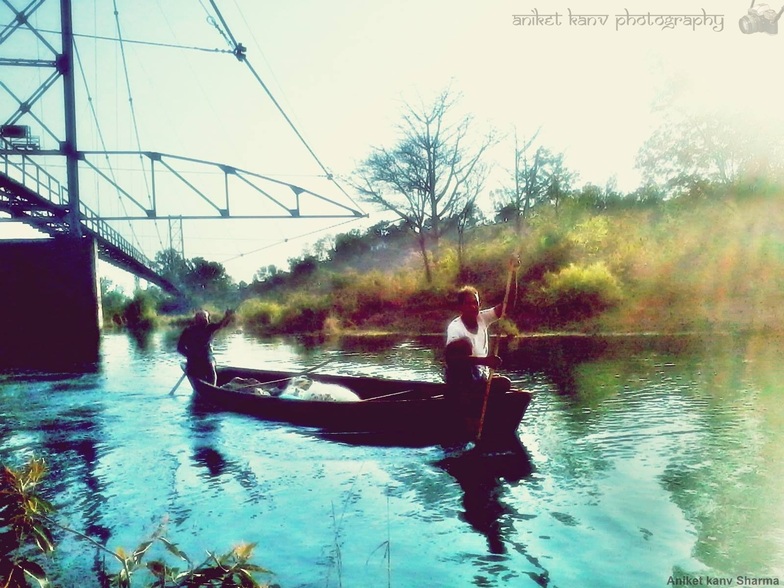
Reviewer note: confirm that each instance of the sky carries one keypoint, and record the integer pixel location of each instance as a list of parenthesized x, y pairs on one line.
[(344, 70)]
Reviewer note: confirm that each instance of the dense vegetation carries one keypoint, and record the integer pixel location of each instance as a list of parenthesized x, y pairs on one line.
[(697, 247), (599, 262)]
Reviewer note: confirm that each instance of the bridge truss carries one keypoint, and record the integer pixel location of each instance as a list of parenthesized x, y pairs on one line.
[(176, 187)]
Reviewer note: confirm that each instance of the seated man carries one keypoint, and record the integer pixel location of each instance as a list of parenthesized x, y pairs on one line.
[(468, 362)]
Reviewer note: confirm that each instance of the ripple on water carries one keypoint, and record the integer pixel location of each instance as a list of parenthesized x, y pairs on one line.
[(655, 458)]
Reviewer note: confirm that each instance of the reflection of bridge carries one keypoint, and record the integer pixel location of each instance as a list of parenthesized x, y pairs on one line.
[(49, 286)]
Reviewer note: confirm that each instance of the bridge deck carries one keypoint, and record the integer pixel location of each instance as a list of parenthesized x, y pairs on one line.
[(31, 195)]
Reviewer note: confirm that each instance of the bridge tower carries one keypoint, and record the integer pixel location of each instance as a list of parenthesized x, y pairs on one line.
[(48, 287)]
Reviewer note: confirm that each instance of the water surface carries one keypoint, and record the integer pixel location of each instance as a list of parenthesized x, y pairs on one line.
[(646, 459)]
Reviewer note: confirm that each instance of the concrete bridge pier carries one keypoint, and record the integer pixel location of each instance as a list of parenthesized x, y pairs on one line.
[(49, 303)]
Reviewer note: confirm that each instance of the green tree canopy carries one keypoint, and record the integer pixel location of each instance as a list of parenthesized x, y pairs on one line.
[(689, 151)]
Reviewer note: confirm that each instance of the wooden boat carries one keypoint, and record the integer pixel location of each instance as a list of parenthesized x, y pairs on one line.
[(399, 412)]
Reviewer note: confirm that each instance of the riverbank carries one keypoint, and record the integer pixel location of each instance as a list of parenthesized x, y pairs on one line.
[(707, 264)]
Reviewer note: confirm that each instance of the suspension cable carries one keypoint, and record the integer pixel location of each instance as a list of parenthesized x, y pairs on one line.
[(281, 242), (133, 113), (103, 143), (141, 42), (239, 52)]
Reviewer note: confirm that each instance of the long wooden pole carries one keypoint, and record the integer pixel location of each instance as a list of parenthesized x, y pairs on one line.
[(177, 385), (494, 352)]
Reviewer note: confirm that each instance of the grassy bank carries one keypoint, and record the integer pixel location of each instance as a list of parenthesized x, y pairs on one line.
[(692, 265)]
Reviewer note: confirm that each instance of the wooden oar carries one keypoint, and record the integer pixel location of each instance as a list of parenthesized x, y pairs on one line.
[(177, 385), (495, 352)]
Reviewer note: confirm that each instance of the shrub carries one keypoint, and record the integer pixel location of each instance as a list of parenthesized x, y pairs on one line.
[(591, 234), (546, 254), (26, 534), (260, 314), (304, 313), (140, 312), (577, 292)]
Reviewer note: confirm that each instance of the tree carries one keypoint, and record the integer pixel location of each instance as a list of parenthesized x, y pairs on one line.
[(351, 245), (539, 177), (302, 268), (208, 281), (430, 175), (200, 280), (689, 151), (469, 216), (173, 266), (113, 301), (558, 179), (266, 272), (516, 202)]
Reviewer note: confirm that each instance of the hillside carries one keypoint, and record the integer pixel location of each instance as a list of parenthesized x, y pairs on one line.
[(694, 264)]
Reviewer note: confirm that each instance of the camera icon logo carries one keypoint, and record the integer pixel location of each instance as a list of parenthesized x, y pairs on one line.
[(760, 19)]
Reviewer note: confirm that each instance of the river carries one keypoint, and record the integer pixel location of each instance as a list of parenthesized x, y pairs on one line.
[(649, 460)]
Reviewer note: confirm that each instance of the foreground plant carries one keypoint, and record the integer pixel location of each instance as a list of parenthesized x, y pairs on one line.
[(23, 529), (26, 534)]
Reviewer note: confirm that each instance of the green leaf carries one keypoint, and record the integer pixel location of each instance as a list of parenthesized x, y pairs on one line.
[(43, 538), (246, 580), (35, 571), (254, 568), (172, 548), (157, 568), (140, 551)]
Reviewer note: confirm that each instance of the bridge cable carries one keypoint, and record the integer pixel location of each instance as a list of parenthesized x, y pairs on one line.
[(141, 42), (133, 115), (258, 47), (281, 242), (102, 140), (239, 52)]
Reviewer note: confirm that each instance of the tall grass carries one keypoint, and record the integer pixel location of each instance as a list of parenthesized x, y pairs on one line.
[(680, 265)]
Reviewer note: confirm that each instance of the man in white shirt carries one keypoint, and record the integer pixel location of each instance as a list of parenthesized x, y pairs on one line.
[(468, 361)]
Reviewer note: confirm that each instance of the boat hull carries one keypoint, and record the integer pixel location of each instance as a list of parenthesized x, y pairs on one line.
[(400, 412)]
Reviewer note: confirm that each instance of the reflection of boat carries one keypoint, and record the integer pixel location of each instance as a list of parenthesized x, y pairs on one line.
[(388, 411)]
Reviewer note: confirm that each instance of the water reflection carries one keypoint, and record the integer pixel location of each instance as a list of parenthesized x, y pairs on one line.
[(210, 459), (668, 450), (483, 479), (142, 336), (694, 415)]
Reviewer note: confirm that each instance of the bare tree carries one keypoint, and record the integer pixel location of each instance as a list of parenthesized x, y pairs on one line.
[(430, 175), (525, 181), (539, 177)]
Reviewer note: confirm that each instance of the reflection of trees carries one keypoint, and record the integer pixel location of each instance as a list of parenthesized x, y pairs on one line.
[(713, 404), (561, 359), (728, 483), (380, 344), (70, 441), (142, 337)]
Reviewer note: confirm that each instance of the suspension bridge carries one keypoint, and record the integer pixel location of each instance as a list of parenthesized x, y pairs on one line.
[(87, 203)]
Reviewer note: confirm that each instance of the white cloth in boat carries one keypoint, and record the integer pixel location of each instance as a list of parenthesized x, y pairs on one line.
[(249, 385), (301, 388)]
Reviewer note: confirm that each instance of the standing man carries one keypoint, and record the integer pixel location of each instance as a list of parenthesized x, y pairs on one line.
[(195, 344), (468, 358)]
